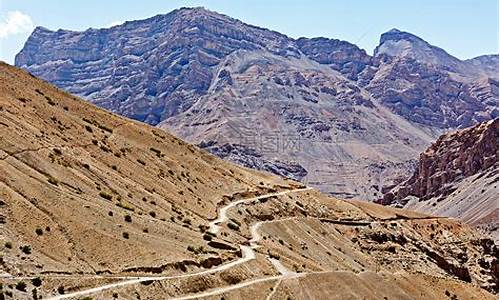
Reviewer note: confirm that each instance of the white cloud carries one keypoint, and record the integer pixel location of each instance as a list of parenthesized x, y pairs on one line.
[(114, 23), (15, 22)]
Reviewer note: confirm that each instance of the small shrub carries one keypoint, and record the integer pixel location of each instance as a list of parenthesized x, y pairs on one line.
[(39, 231), (8, 245), (88, 128), (60, 289), (105, 148), (36, 281), (26, 249), (105, 128), (127, 218), (235, 221), (21, 286), (233, 226), (125, 235), (50, 101), (105, 195), (152, 214), (125, 206), (156, 151), (53, 181), (141, 161), (207, 237), (57, 151), (114, 167)]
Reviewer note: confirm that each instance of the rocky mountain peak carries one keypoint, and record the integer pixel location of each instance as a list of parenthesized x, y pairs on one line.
[(404, 44), (398, 35)]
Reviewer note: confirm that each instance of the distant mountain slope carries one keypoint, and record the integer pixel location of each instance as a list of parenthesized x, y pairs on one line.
[(170, 70), (458, 177), (150, 69), (102, 205), (301, 119)]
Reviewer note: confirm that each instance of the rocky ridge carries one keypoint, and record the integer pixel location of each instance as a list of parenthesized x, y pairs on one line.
[(457, 176), (171, 69)]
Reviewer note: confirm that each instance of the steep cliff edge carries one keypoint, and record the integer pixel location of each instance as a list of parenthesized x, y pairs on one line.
[(457, 176)]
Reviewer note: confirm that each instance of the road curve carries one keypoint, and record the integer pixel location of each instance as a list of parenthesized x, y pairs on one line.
[(248, 254)]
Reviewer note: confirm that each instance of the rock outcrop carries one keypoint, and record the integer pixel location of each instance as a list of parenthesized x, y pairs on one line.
[(456, 176)]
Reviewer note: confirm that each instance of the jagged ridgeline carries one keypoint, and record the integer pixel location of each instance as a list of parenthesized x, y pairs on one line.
[(318, 110)]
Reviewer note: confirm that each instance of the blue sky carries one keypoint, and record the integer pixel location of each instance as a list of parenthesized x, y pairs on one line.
[(464, 28)]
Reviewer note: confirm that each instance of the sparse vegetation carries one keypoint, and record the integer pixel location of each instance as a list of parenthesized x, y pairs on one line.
[(50, 101), (21, 286), (196, 250), (105, 195), (233, 226), (36, 281), (53, 180), (26, 249), (105, 148), (125, 206), (157, 152)]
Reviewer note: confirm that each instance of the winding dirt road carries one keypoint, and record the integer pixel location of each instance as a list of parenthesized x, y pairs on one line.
[(248, 254)]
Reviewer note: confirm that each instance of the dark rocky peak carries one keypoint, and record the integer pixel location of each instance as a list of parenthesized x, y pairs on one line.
[(340, 55), (396, 35), (404, 44), (163, 63), (401, 44)]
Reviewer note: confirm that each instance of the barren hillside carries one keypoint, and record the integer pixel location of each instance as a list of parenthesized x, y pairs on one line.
[(96, 206)]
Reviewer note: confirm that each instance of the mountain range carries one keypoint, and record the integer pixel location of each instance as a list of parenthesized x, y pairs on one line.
[(318, 110)]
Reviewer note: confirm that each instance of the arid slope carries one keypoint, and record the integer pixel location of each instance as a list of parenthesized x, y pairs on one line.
[(107, 207)]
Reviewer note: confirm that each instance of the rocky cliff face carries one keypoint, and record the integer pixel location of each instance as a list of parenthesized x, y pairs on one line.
[(150, 69), (296, 117), (426, 85), (453, 156), (456, 176), (197, 73)]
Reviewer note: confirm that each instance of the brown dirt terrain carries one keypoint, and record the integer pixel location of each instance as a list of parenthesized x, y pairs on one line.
[(88, 198)]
